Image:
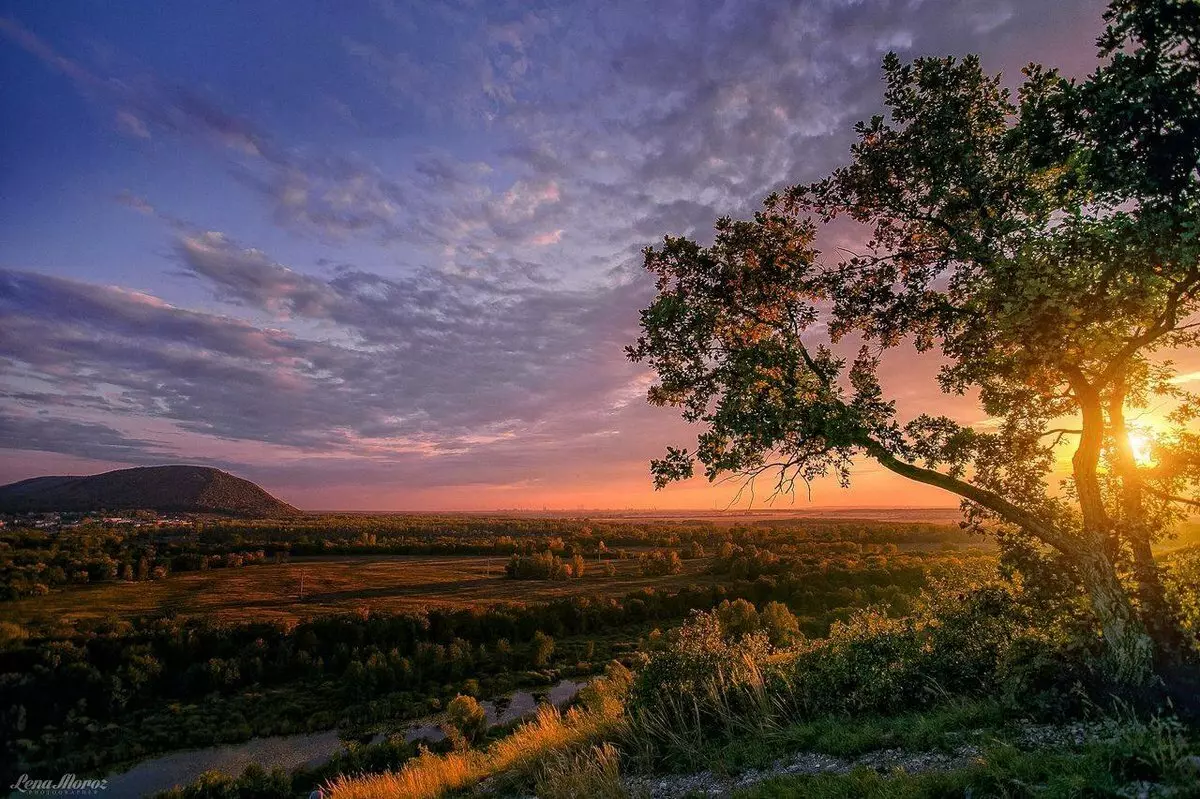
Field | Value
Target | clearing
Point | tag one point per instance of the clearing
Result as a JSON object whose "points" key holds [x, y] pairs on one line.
{"points": [[271, 592]]}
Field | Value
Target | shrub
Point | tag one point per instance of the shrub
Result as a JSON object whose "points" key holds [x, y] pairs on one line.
{"points": [[1182, 581], [978, 642], [11, 633], [698, 685], [466, 716], [254, 783], [719, 675], [542, 648], [738, 617], [660, 564], [541, 566], [781, 626]]}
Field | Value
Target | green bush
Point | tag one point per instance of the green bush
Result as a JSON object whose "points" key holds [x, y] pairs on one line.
{"points": [[700, 684], [468, 717], [978, 642], [719, 675]]}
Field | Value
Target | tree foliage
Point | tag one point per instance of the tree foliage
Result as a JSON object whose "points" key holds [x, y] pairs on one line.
{"points": [[1043, 243]]}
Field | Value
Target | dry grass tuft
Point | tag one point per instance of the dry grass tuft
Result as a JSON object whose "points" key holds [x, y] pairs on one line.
{"points": [[595, 773]]}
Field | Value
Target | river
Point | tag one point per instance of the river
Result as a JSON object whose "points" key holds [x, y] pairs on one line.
{"points": [[292, 751]]}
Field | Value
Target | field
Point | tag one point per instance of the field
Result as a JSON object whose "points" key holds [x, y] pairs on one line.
{"points": [[392, 583], [118, 644]]}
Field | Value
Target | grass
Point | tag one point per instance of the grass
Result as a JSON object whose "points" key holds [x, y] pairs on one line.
{"points": [[595, 773], [941, 728], [567, 755], [1099, 770], [334, 584]]}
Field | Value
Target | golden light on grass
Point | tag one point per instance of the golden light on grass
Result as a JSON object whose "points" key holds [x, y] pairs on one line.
{"points": [[429, 776]]}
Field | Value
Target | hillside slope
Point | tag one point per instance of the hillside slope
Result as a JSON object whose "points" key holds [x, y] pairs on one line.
{"points": [[166, 489]]}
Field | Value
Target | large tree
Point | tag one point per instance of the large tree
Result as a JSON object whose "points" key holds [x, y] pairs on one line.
{"points": [[1045, 244]]}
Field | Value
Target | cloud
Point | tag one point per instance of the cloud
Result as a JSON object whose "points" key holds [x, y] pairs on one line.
{"points": [[143, 102], [549, 237], [430, 361], [84, 439], [249, 277], [543, 147]]}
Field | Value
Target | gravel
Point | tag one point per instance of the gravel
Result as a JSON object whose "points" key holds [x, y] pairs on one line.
{"points": [[884, 761], [705, 783]]}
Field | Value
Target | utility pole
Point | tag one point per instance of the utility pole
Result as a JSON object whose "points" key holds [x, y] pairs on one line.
{"points": [[302, 585]]}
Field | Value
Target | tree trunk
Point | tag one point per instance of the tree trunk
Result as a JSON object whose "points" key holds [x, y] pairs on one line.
{"points": [[1157, 613], [1129, 645], [1130, 648]]}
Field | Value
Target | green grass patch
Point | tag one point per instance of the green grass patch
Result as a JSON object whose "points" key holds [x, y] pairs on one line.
{"points": [[941, 728], [1100, 769]]}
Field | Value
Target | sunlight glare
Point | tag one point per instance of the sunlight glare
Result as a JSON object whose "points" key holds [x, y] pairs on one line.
{"points": [[1140, 444]]}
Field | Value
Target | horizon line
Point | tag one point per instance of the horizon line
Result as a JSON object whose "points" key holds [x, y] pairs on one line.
{"points": [[725, 511]]}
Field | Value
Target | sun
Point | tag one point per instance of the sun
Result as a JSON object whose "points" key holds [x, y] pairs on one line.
{"points": [[1140, 444]]}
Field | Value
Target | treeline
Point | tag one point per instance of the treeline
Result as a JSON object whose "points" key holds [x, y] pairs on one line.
{"points": [[544, 566], [483, 534], [548, 566], [33, 562]]}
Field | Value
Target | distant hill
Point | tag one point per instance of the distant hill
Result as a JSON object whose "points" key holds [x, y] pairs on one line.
{"points": [[166, 489]]}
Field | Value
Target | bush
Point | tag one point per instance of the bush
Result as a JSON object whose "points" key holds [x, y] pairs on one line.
{"points": [[660, 564], [542, 566], [254, 783], [698, 684], [780, 624], [1182, 581], [465, 715], [739, 617], [719, 676], [979, 642], [11, 633], [542, 649]]}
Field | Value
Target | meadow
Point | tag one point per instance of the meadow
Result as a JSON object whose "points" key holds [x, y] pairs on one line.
{"points": [[332, 584]]}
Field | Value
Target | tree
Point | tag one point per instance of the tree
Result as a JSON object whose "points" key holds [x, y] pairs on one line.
{"points": [[738, 617], [779, 623], [541, 649], [467, 717], [1045, 245]]}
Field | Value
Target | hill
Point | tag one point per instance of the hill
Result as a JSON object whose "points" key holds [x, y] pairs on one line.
{"points": [[166, 489]]}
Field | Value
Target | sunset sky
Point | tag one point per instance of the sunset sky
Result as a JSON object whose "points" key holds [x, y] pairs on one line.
{"points": [[385, 255]]}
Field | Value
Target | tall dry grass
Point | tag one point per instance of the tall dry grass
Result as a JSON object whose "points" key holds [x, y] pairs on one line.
{"points": [[677, 728], [429, 776], [594, 773]]}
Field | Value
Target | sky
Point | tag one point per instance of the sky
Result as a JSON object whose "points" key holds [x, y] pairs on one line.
{"points": [[386, 256]]}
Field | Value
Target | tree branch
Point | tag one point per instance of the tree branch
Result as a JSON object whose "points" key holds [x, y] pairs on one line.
{"points": [[1171, 497], [1011, 513]]}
